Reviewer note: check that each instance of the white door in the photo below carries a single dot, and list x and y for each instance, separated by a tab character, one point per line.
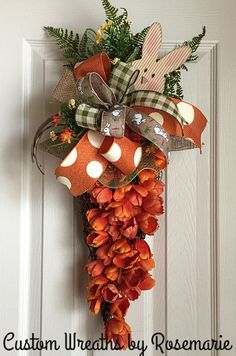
43	285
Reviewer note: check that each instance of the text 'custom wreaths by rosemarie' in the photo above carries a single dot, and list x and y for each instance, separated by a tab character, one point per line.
121	114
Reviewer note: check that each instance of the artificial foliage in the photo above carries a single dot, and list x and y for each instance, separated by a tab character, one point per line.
117	40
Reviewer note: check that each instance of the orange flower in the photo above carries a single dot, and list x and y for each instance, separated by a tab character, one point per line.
160	159
129	229
102	253
126	260
132	293
153	205
110	293
56	118
147	174
97	238
94	268
119	331
147	283
66	135
123	209
119	247
114	231
95	286
119	193
102	194
134	276
144	250
114	220
95	305
112	272
147	223
148	264
119	309
97	220
154	187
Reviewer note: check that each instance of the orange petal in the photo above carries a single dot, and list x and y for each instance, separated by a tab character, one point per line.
144	250
147	283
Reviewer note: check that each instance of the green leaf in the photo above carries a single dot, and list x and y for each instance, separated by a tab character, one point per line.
67	41
110	10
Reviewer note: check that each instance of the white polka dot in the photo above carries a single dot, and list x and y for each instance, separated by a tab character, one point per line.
138	156
95	138
94	169
70	159
157	117
114	153
187	111
64	181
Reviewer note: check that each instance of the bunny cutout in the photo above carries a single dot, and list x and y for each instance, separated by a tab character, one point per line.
153	70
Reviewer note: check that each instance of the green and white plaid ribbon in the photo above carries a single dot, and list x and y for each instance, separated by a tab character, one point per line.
121	82
122	78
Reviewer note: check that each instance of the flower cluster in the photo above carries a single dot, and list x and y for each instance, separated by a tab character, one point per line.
123	259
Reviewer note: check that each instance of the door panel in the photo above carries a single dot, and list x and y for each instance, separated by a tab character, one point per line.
42	249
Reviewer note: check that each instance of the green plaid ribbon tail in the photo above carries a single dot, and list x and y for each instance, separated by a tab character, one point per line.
153	100
122	77
88	117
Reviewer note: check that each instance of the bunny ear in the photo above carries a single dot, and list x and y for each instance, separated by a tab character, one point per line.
152	42
173	60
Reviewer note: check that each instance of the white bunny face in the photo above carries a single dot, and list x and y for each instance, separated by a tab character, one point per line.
153	70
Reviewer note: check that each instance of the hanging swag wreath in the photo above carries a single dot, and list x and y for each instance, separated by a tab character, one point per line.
121	114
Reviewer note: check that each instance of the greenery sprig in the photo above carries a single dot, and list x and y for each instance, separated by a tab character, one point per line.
117	40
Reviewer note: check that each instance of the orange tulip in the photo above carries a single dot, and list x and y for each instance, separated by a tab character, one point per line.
95	286
144	250
102	194
123	209
134	276
126	260
147	174
154	187
130	229
114	220
97	220
114	231
147	223
102	253
112	272
95	305
132	293
148	264
147	283
119	247
119	331
94	268
160	159
153	205
97	238
119	309
119	193
134	198
110	293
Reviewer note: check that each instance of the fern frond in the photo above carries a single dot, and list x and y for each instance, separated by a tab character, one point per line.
110	10
195	42
87	46
67	41
139	38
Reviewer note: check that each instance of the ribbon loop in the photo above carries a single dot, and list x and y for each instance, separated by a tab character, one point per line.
122	78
